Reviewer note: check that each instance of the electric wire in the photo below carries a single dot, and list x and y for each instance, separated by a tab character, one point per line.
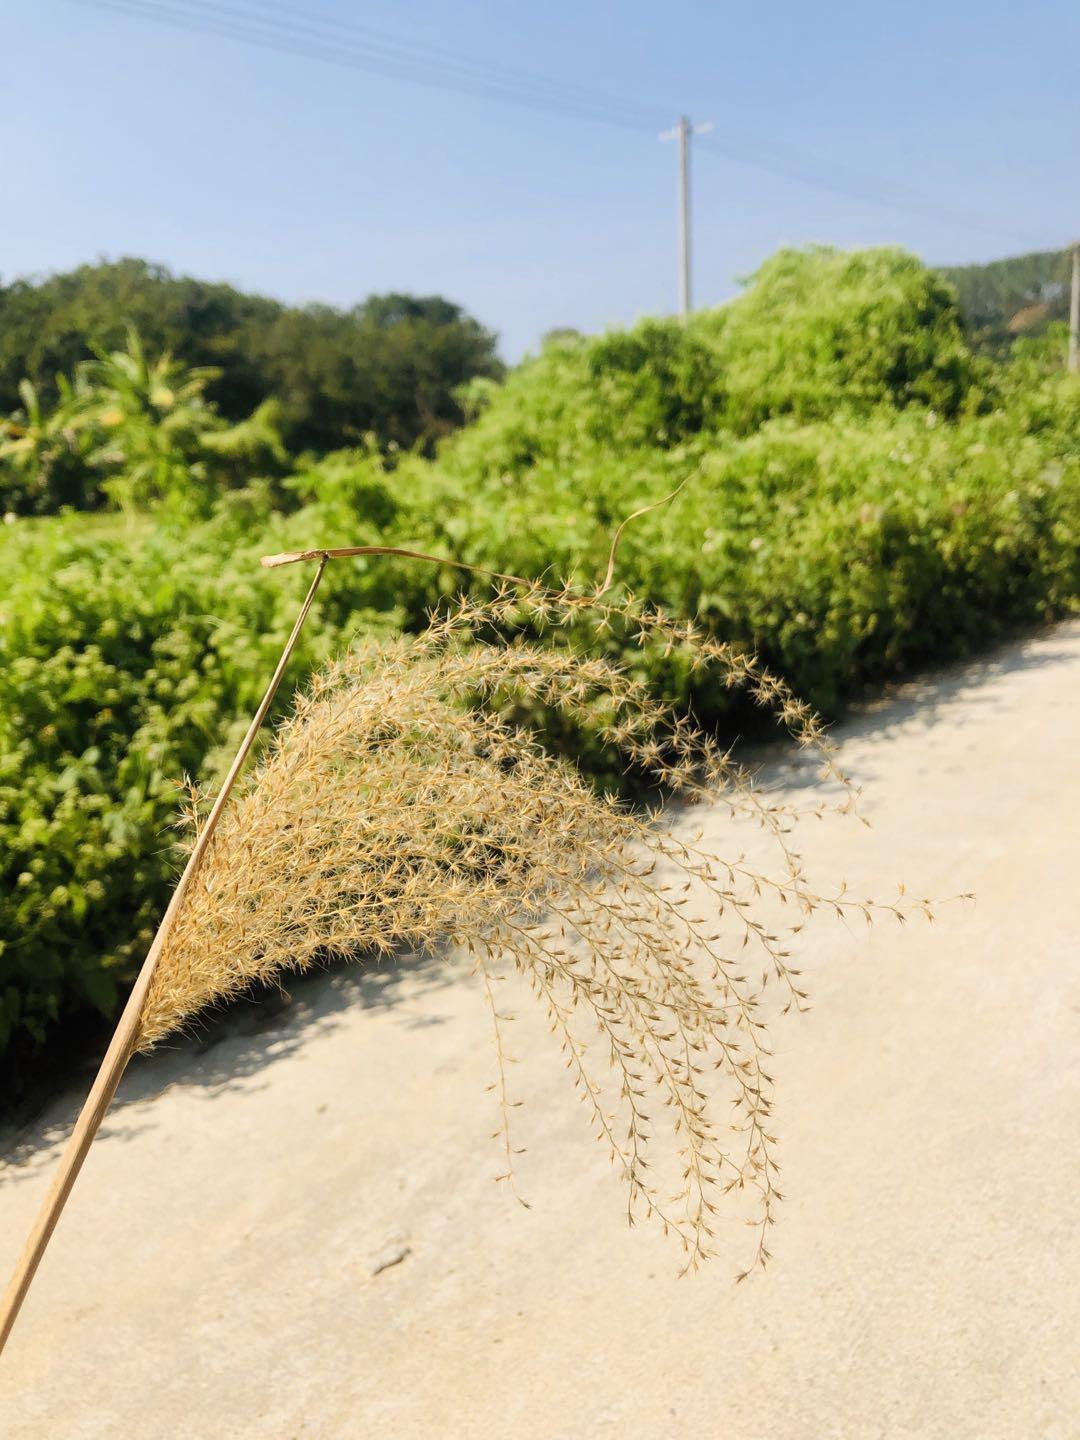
807	169
234	24
279	26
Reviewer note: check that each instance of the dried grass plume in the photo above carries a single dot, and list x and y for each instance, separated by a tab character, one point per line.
405	803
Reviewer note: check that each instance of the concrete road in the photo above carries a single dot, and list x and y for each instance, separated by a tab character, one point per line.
291	1229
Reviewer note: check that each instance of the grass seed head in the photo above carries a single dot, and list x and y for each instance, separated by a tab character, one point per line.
402	805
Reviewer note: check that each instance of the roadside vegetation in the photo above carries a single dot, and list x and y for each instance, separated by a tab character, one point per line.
864	492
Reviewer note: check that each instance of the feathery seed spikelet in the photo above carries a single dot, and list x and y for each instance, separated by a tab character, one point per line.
401	805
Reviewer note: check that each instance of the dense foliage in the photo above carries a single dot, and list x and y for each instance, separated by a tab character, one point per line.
864	505
131	431
819	330
128	659
389	367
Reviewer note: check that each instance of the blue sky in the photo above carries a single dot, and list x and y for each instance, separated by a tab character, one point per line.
316	181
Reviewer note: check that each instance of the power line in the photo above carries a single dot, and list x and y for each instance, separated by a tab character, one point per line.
320	43
807	169
513	75
279	26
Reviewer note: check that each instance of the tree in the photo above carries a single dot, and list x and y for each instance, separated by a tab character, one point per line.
132	431
1018	297
149	417
390	367
42	459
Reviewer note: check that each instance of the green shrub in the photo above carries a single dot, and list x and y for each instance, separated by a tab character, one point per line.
132	655
126	662
654	385
882	515
820	330
843	553
132	431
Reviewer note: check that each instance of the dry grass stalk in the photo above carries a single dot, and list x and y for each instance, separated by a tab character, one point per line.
401	805
124	1037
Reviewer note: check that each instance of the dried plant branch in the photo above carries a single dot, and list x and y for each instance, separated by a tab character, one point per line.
401	805
125	1036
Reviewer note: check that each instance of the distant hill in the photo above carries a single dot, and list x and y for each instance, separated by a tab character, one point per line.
1007	298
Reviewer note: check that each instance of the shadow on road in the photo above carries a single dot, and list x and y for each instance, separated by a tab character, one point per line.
921	702
227	1044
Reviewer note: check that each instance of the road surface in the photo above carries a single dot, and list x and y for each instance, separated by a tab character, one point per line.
291	1229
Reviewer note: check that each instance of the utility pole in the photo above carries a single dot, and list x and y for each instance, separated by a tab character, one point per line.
1074	311
682	132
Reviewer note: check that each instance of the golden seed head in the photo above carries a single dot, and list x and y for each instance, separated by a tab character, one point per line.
405	803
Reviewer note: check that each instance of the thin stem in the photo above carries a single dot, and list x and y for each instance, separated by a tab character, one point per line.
126	1033
349	552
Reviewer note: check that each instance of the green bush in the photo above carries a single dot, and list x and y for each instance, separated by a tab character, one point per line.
894	506
652	386
820	330
842	552
134	432
127	660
